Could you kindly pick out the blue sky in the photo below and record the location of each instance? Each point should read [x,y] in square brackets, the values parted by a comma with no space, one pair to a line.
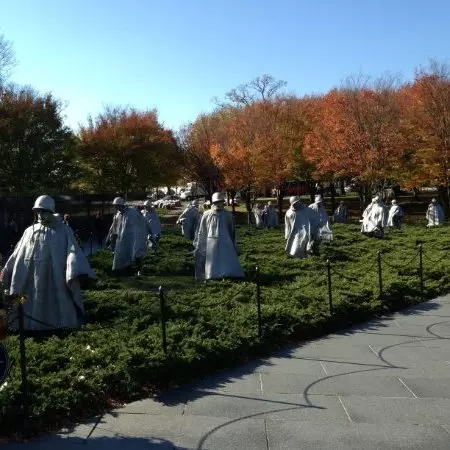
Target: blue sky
[176,55]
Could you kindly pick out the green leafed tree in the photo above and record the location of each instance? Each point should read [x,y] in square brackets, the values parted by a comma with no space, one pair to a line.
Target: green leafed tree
[36,149]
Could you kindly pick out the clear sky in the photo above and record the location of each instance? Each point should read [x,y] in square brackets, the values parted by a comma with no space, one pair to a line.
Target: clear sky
[176,55]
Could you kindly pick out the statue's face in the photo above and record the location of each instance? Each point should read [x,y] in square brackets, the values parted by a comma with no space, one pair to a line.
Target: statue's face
[296,205]
[120,208]
[219,205]
[44,217]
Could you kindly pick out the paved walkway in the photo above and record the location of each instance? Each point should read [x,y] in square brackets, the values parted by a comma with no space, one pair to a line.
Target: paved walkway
[384,384]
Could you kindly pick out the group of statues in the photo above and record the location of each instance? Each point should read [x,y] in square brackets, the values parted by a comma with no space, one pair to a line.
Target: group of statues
[377,217]
[305,227]
[265,216]
[49,268]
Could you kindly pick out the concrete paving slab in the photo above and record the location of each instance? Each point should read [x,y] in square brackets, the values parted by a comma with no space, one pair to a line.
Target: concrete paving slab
[348,384]
[249,383]
[412,356]
[189,432]
[318,409]
[50,443]
[336,352]
[230,405]
[429,387]
[373,337]
[150,406]
[434,370]
[336,392]
[416,411]
[298,435]
[82,430]
[291,365]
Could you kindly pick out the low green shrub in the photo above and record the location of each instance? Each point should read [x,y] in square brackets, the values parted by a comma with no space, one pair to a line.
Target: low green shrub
[118,356]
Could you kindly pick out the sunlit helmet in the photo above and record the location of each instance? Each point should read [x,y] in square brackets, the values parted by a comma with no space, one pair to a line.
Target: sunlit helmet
[294,199]
[318,199]
[218,197]
[118,201]
[394,202]
[147,203]
[45,202]
[194,203]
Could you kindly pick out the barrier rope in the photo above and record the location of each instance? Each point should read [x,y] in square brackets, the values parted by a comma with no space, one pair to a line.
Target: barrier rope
[340,274]
[212,304]
[403,266]
[301,286]
[435,261]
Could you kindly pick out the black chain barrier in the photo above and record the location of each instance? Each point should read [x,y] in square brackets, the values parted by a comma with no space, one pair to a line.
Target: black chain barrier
[405,265]
[319,277]
[436,261]
[257,282]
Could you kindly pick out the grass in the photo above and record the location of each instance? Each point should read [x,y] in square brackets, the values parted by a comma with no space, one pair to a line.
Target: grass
[118,356]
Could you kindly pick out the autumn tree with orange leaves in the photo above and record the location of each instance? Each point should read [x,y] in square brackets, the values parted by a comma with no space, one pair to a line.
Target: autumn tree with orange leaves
[359,134]
[124,149]
[426,108]
[195,141]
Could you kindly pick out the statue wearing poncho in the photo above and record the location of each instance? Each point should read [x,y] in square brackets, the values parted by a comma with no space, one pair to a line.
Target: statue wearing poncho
[435,214]
[374,218]
[341,213]
[190,219]
[215,252]
[258,214]
[395,215]
[301,229]
[47,266]
[325,232]
[128,236]
[270,216]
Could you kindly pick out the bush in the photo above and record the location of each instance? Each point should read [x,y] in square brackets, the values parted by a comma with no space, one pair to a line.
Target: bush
[117,356]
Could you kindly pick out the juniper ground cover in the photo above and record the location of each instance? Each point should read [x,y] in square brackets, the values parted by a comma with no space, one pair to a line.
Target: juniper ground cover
[118,355]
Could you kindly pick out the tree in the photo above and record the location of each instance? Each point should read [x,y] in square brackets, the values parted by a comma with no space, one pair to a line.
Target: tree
[7,59]
[124,149]
[195,141]
[263,88]
[36,149]
[358,134]
[427,111]
[231,151]
[279,139]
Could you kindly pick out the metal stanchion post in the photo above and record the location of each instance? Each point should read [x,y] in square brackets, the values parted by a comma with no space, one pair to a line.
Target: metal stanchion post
[421,270]
[380,278]
[163,319]
[92,237]
[330,297]
[258,302]
[23,371]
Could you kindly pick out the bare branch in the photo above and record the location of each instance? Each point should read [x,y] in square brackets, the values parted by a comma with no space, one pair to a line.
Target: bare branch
[7,59]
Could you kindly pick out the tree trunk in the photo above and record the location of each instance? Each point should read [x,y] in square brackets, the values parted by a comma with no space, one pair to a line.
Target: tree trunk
[363,196]
[280,195]
[333,197]
[342,186]
[311,189]
[248,203]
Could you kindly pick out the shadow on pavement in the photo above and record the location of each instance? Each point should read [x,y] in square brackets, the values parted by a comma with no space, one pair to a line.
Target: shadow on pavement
[115,442]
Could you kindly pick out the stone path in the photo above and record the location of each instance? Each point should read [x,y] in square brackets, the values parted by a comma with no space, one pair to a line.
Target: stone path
[384,384]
